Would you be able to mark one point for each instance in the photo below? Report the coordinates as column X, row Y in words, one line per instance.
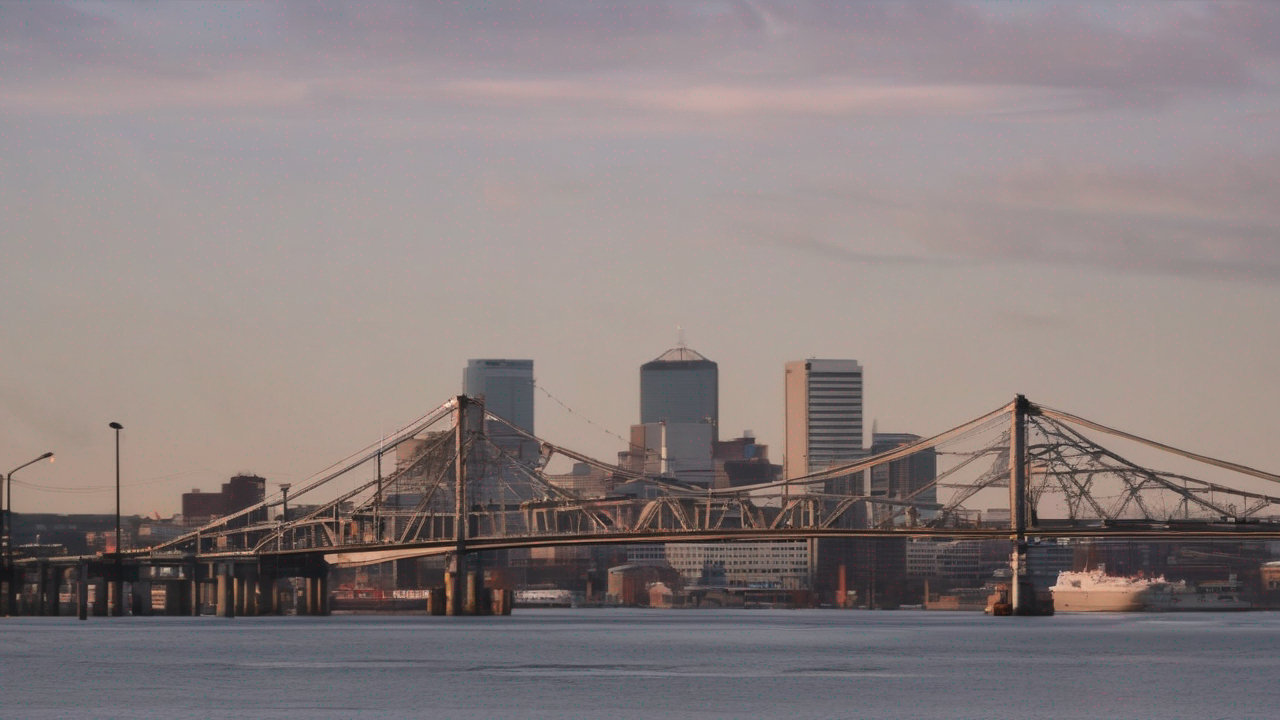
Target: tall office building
column 824, row 429
column 507, row 387
column 823, row 414
column 905, row 477
column 680, row 386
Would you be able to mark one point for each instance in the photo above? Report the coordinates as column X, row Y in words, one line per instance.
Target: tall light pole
column 118, row 608
column 8, row 529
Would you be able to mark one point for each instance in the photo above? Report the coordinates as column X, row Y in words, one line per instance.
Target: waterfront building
column 780, row 564
column 957, row 560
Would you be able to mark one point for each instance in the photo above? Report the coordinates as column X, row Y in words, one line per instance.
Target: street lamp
column 8, row 527
column 118, row 608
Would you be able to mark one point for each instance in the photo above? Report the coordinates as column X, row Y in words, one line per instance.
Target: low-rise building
column 773, row 564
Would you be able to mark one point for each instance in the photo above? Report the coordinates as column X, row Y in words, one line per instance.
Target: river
column 645, row 663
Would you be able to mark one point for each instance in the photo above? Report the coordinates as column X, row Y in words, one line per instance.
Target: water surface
column 645, row 663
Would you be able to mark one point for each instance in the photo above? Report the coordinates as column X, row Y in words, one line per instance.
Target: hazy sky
column 260, row 234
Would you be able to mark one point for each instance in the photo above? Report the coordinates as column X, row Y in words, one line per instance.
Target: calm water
column 645, row 663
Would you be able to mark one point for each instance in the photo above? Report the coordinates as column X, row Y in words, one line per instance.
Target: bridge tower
column 468, row 427
column 1021, row 591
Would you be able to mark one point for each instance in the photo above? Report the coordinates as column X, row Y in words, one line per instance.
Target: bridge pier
column 316, row 597
column 192, row 600
column 82, row 591
column 13, row 601
column 172, row 598
column 240, row 595
column 309, row 600
column 249, row 590
column 41, row 599
column 268, row 595
column 140, row 597
column 116, row 592
column 225, row 593
column 115, row 596
column 100, row 597
column 52, row 582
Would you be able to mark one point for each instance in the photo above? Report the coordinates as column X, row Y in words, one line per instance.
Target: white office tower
column 824, row 415
column 824, row 430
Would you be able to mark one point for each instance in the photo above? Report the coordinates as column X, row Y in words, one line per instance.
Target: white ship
column 1098, row 592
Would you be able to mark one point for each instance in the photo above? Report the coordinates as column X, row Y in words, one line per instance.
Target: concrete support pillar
column 267, row 600
column 53, row 598
column 192, row 603
column 141, row 596
column 10, row 596
column 250, row 584
column 12, row 592
column 237, row 592
column 322, row 586
column 452, row 601
column 172, row 598
column 82, row 591
column 115, row 598
column 226, row 606
column 502, row 601
column 41, row 600
column 475, row 584
column 436, row 601
column 100, row 597
column 307, row 607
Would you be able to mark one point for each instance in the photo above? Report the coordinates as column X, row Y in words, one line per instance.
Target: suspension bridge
column 466, row 481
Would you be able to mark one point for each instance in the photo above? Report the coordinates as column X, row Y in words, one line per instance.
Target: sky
column 261, row 235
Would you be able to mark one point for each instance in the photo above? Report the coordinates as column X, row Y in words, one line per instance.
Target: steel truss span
column 462, row 480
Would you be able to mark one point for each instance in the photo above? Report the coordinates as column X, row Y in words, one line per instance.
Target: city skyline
column 263, row 237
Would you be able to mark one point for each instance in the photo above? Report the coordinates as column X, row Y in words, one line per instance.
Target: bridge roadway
column 351, row 555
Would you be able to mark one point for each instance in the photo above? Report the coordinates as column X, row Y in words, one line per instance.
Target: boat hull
column 1096, row 601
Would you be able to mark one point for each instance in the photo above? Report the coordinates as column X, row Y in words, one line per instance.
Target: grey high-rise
column 680, row 386
column 507, row 387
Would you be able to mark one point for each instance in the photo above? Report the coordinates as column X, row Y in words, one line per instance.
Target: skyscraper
column 680, row 386
column 907, row 476
column 507, row 387
column 823, row 414
column 824, row 429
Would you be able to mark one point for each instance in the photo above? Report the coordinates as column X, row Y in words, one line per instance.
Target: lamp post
column 8, row 531
column 118, row 608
